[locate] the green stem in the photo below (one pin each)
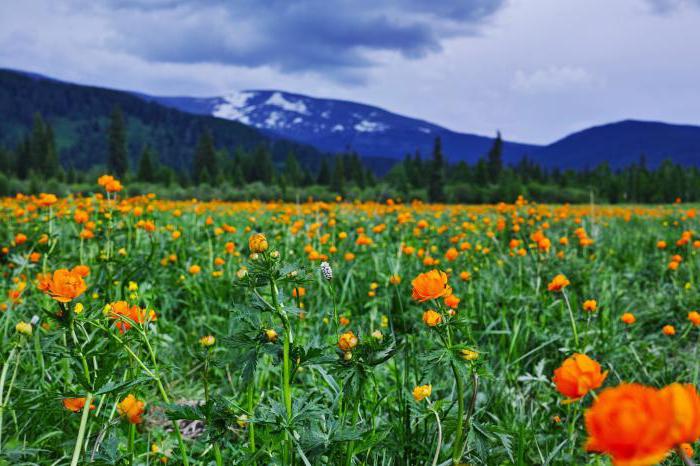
(286, 367)
(2, 388)
(571, 317)
(457, 445)
(439, 439)
(81, 430)
(251, 427)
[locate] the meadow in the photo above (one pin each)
(144, 331)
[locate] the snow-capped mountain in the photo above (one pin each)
(337, 125)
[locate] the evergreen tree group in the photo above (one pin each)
(489, 179)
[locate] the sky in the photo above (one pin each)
(534, 69)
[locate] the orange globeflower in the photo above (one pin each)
(431, 318)
(125, 315)
(75, 404)
(686, 406)
(452, 301)
(694, 318)
(558, 283)
(82, 270)
(347, 341)
(131, 408)
(590, 305)
(628, 318)
(258, 243)
(20, 238)
(63, 286)
(669, 330)
(631, 423)
(578, 375)
(430, 285)
(46, 200)
(421, 392)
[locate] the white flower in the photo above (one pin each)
(326, 271)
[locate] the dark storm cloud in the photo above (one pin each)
(333, 37)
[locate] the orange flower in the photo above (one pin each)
(431, 318)
(430, 285)
(686, 406)
(347, 341)
(669, 330)
(628, 318)
(75, 404)
(299, 291)
(631, 423)
(578, 375)
(422, 392)
(82, 270)
(661, 244)
(694, 318)
(46, 200)
(451, 254)
(194, 269)
(63, 286)
(343, 321)
(590, 305)
(131, 408)
(126, 315)
(257, 243)
(558, 283)
(20, 238)
(452, 301)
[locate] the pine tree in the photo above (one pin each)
(117, 158)
(338, 177)
(51, 167)
(494, 159)
(263, 169)
(204, 163)
(436, 191)
(147, 166)
(292, 170)
(24, 158)
(324, 173)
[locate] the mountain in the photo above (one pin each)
(80, 115)
(622, 144)
(337, 125)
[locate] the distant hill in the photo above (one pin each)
(80, 114)
(337, 125)
(310, 127)
(622, 144)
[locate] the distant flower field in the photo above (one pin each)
(144, 331)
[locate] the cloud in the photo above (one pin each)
(668, 6)
(553, 79)
(336, 38)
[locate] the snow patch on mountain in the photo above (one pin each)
(279, 100)
(366, 126)
(233, 106)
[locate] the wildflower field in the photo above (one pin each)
(147, 331)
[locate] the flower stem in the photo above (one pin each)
(439, 439)
(571, 317)
(81, 430)
(457, 445)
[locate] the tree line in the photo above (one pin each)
(430, 178)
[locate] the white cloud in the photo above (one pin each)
(553, 79)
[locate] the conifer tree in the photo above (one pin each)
(204, 164)
(436, 185)
(117, 158)
(147, 166)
